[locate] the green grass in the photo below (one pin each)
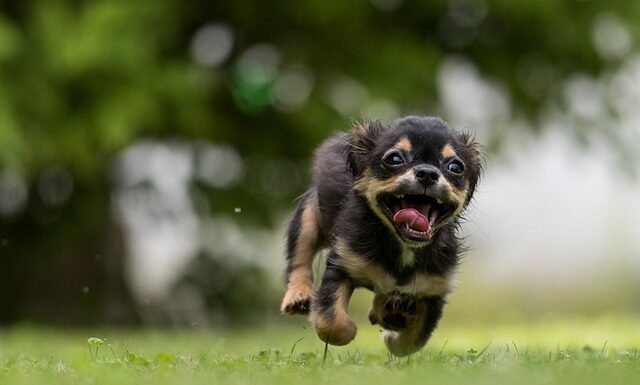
(561, 351)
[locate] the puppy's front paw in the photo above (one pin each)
(297, 300)
(394, 311)
(402, 343)
(339, 330)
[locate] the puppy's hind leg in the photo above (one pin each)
(417, 332)
(303, 240)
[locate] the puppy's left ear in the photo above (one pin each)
(360, 142)
(471, 149)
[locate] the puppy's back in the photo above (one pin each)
(332, 178)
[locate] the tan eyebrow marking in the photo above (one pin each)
(404, 144)
(448, 151)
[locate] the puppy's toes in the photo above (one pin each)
(296, 302)
(301, 306)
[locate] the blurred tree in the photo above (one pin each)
(80, 81)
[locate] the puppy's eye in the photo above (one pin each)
(456, 167)
(393, 158)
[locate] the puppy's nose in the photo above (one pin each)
(427, 175)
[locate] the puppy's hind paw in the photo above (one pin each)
(296, 302)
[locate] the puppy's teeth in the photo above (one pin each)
(439, 201)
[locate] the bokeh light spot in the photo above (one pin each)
(212, 44)
(13, 195)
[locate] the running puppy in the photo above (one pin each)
(386, 201)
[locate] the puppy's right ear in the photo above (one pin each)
(360, 143)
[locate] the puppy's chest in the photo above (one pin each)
(370, 274)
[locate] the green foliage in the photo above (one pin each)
(80, 81)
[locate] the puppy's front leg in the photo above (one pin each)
(417, 332)
(329, 309)
(302, 245)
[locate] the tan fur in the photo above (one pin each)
(403, 343)
(360, 128)
(429, 284)
(336, 329)
(300, 283)
(363, 272)
(369, 274)
(406, 341)
(370, 187)
(448, 151)
(454, 195)
(458, 196)
(404, 144)
(299, 289)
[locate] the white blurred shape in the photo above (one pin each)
(219, 166)
(554, 215)
(243, 243)
(624, 88)
(583, 97)
(154, 205)
(13, 194)
(292, 89)
(468, 99)
(623, 94)
(347, 96)
(212, 44)
(383, 109)
(611, 37)
(264, 58)
(468, 13)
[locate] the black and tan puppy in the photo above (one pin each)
(387, 202)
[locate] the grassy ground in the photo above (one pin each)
(593, 351)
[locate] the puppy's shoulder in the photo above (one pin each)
(331, 149)
(330, 161)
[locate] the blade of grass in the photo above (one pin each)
(324, 356)
(294, 345)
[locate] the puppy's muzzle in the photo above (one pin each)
(427, 175)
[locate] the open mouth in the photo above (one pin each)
(415, 216)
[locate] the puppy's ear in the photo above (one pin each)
(471, 150)
(360, 142)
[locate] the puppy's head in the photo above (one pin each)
(417, 175)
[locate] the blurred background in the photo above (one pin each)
(151, 152)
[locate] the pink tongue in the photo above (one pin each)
(413, 218)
